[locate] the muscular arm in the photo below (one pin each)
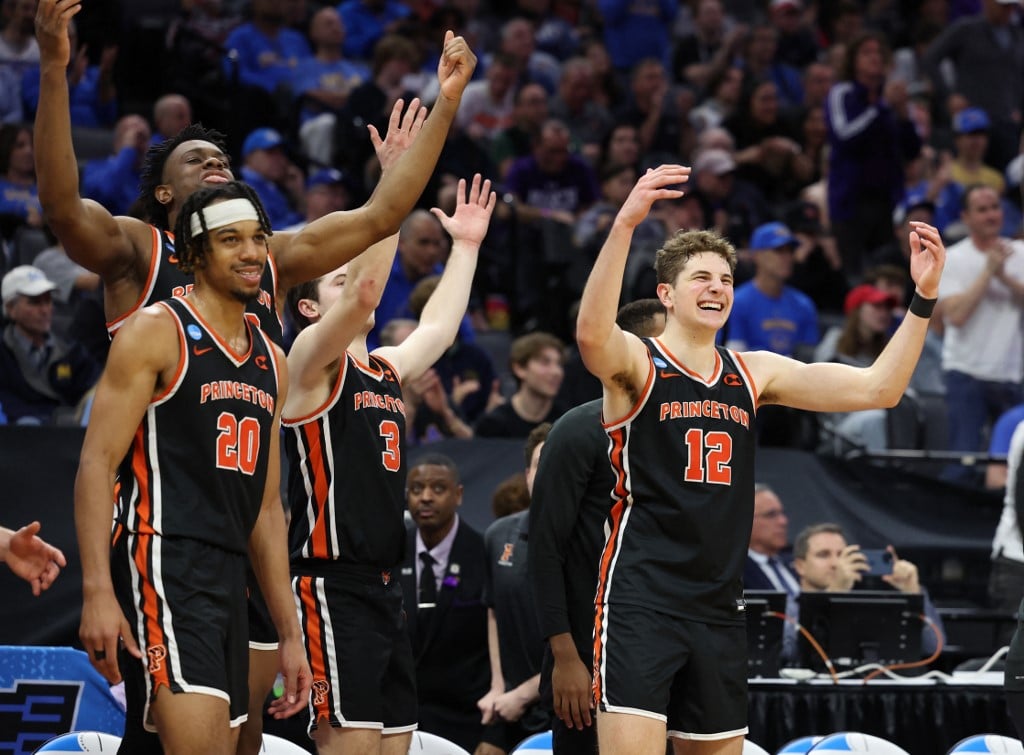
(268, 551)
(835, 387)
(439, 322)
(333, 240)
(617, 358)
(91, 235)
(144, 353)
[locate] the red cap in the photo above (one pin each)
(867, 294)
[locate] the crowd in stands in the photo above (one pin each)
(817, 132)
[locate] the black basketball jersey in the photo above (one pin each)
(346, 470)
(684, 494)
(165, 279)
(197, 466)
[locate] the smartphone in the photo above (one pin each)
(879, 561)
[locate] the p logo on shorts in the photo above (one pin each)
(320, 689)
(156, 654)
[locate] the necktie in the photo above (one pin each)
(428, 583)
(778, 569)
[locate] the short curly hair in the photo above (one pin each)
(680, 248)
(152, 173)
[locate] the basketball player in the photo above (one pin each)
(568, 508)
(187, 414)
(669, 643)
(137, 261)
(345, 446)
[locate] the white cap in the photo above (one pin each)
(25, 280)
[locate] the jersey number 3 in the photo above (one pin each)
(391, 456)
(708, 455)
(238, 445)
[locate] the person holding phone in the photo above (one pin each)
(824, 561)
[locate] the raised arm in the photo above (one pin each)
(91, 235)
(832, 387)
(439, 322)
(145, 348)
(332, 241)
(268, 551)
(612, 355)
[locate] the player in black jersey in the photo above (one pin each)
(188, 412)
(345, 446)
(669, 639)
(569, 504)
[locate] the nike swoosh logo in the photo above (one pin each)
(668, 374)
(199, 352)
(173, 259)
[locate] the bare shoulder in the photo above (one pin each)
(149, 337)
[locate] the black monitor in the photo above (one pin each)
(764, 632)
(861, 626)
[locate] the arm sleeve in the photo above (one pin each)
(849, 121)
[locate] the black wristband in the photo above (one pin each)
(921, 307)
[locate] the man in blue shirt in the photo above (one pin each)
(265, 50)
(266, 168)
(768, 315)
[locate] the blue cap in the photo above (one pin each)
(971, 120)
(261, 138)
(326, 177)
(772, 236)
(913, 200)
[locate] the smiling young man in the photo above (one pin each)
(669, 647)
(345, 442)
(187, 415)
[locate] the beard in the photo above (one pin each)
(245, 296)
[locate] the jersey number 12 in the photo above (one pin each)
(707, 456)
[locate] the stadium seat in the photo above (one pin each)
(988, 743)
(424, 743)
(853, 741)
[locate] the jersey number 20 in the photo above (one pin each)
(707, 456)
(238, 445)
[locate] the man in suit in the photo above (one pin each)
(442, 586)
(765, 569)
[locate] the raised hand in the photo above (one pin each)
(651, 187)
(455, 68)
(402, 132)
(927, 258)
(52, 17)
(472, 215)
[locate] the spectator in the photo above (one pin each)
(609, 91)
(915, 207)
(529, 113)
(519, 43)
(621, 146)
(1006, 579)
(511, 709)
(442, 588)
(264, 50)
(767, 314)
(171, 113)
(38, 371)
(18, 46)
(818, 79)
(769, 536)
(760, 63)
(114, 181)
(92, 95)
(19, 198)
(636, 32)
(323, 83)
(367, 22)
(825, 562)
(652, 110)
(797, 47)
(971, 127)
(980, 299)
(870, 138)
(734, 207)
(817, 267)
(327, 190)
(487, 105)
(268, 170)
(724, 89)
(588, 121)
(982, 48)
(709, 49)
(76, 290)
(999, 445)
(536, 360)
(11, 108)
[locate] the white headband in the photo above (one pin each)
(222, 214)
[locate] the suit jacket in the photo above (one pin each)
(450, 641)
(754, 577)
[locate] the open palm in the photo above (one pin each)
(472, 214)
